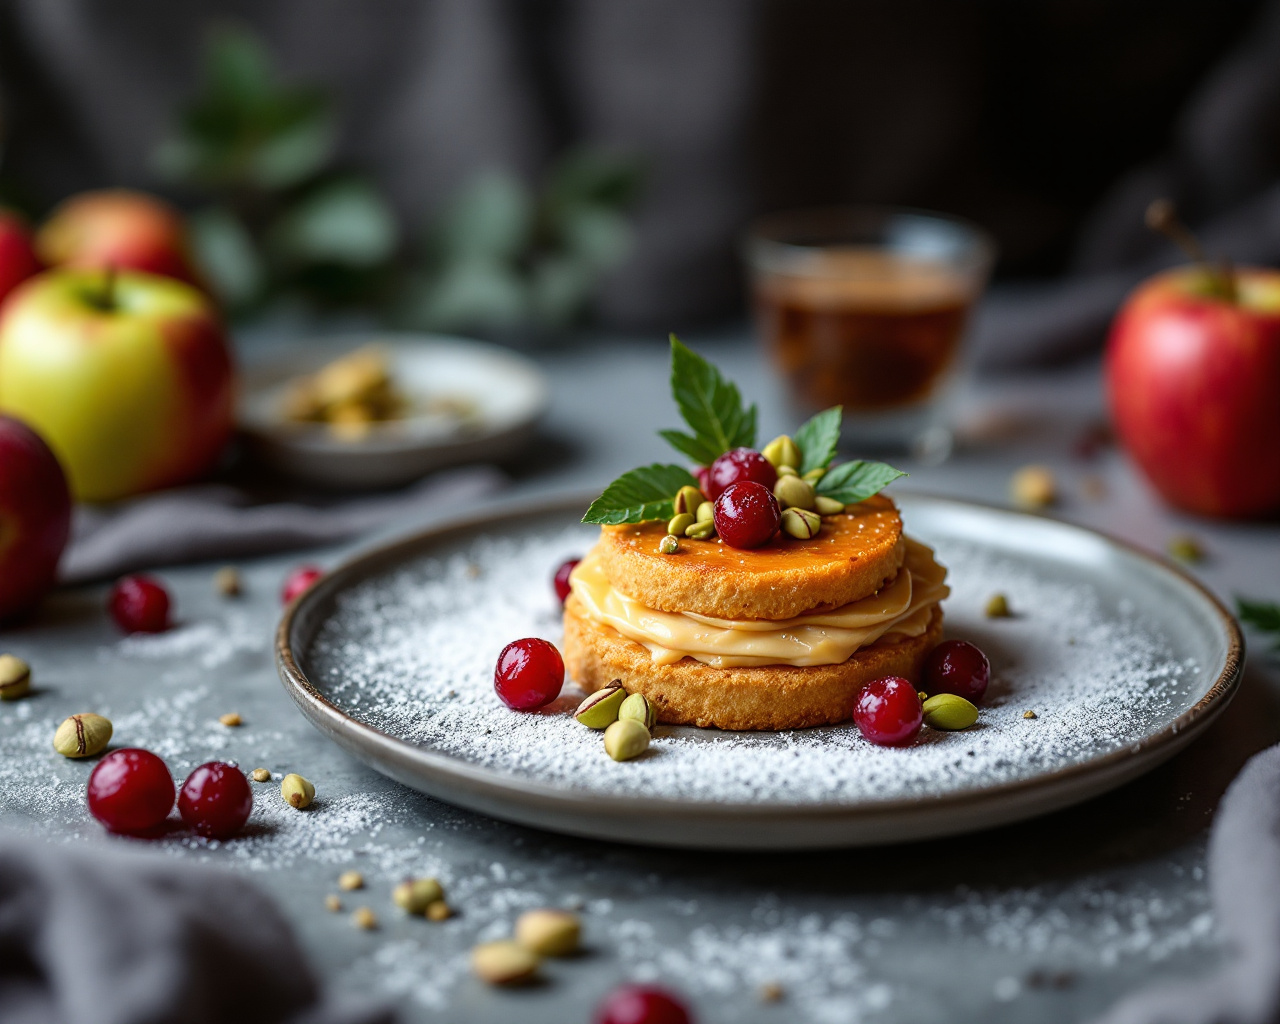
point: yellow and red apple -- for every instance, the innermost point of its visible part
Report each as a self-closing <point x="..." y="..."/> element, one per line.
<point x="118" y="228"/>
<point x="18" y="259"/>
<point x="1193" y="380"/>
<point x="127" y="376"/>
<point x="35" y="517"/>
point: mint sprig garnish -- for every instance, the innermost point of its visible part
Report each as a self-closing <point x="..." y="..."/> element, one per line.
<point x="852" y="482"/>
<point x="713" y="410"/>
<point x="645" y="493"/>
<point x="1262" y="615"/>
<point x="817" y="440"/>
<point x="710" y="405"/>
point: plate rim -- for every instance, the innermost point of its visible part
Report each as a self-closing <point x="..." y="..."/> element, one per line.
<point x="325" y="715"/>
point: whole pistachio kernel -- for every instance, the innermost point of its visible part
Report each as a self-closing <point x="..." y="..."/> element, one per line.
<point x="600" y="709"/>
<point x="82" y="736"/>
<point x="825" y="506"/>
<point x="503" y="962"/>
<point x="997" y="607"/>
<point x="414" y="895"/>
<point x="15" y="677"/>
<point x="680" y="522"/>
<point x="814" y="475"/>
<point x="297" y="791"/>
<point x="640" y="708"/>
<point x="949" y="711"/>
<point x="706" y="512"/>
<point x="226" y="581"/>
<point x="701" y="531"/>
<point x="687" y="499"/>
<point x="792" y="492"/>
<point x="669" y="545"/>
<point x="787" y="471"/>
<point x="801" y="523"/>
<point x="548" y="932"/>
<point x="626" y="738"/>
<point x="782" y="451"/>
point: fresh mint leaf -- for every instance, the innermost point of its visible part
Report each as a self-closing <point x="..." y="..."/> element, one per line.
<point x="1263" y="615"/>
<point x="852" y="482"/>
<point x="698" y="450"/>
<point x="645" y="493"/>
<point x="817" y="440"/>
<point x="710" y="405"/>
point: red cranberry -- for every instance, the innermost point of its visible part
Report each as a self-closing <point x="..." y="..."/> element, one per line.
<point x="530" y="674"/>
<point x="130" y="791"/>
<point x="562" y="578"/>
<point x="887" y="711"/>
<point x="299" y="580"/>
<point x="139" y="604"/>
<point x="747" y="514"/>
<point x="739" y="464"/>
<point x="216" y="800"/>
<point x="641" y="1004"/>
<point x="956" y="666"/>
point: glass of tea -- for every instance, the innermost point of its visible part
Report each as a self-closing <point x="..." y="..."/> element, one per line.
<point x="866" y="307"/>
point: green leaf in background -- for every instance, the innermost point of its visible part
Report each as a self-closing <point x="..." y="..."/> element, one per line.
<point x="817" y="440"/>
<point x="642" y="494"/>
<point x="590" y="175"/>
<point x="709" y="404"/>
<point x="852" y="482"/>
<point x="597" y="236"/>
<point x="491" y="218"/>
<point x="559" y="287"/>
<point x="244" y="129"/>
<point x="478" y="292"/>
<point x="343" y="222"/>
<point x="1262" y="615"/>
<point x="227" y="256"/>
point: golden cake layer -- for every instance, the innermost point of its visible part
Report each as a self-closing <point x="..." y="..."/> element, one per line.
<point x="689" y="692"/>
<point x="856" y="552"/>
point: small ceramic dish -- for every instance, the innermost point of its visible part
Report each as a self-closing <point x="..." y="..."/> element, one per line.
<point x="1111" y="662"/>
<point x="469" y="401"/>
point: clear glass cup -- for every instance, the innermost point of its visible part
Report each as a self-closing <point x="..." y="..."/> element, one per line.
<point x="866" y="307"/>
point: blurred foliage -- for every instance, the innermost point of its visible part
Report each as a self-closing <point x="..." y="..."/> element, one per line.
<point x="280" y="219"/>
<point x="503" y="257"/>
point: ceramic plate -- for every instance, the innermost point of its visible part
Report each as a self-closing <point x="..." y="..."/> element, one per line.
<point x="1112" y="662"/>
<point x="503" y="395"/>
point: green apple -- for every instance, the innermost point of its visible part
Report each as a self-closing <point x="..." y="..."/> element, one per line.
<point x="128" y="376"/>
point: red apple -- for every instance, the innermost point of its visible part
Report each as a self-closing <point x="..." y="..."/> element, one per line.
<point x="1193" y="381"/>
<point x="17" y="254"/>
<point x="128" y="377"/>
<point x="35" y="517"/>
<point x="116" y="227"/>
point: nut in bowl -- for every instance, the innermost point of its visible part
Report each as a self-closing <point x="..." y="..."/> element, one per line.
<point x="377" y="411"/>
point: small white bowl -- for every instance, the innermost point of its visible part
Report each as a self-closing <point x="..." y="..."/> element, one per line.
<point x="507" y="395"/>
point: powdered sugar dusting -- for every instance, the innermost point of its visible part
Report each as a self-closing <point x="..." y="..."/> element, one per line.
<point x="412" y="653"/>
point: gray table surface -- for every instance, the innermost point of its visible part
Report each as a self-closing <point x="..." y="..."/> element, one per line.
<point x="1050" y="920"/>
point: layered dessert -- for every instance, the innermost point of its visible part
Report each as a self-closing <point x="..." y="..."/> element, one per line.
<point x="777" y="637"/>
<point x="765" y="591"/>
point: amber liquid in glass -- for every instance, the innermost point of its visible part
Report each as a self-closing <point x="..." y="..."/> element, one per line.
<point x="864" y="328"/>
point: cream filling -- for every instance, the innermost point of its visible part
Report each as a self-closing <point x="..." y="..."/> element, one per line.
<point x="901" y="608"/>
